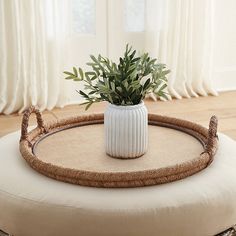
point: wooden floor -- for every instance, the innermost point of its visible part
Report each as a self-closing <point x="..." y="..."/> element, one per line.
<point x="196" y="109"/>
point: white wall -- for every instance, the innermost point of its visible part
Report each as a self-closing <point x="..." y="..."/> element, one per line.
<point x="224" y="64"/>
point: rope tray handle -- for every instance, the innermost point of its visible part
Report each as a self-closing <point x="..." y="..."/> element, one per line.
<point x="212" y="132"/>
<point x="25" y="122"/>
<point x="212" y="138"/>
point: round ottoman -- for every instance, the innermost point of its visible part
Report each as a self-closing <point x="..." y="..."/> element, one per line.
<point x="34" y="205"/>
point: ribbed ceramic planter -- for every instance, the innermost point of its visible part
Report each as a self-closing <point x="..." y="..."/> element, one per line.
<point x="126" y="130"/>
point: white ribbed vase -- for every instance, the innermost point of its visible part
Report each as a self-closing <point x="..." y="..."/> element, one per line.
<point x="126" y="130"/>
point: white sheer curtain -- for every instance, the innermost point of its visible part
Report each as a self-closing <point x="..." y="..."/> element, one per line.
<point x="41" y="38"/>
<point x="180" y="34"/>
<point x="32" y="48"/>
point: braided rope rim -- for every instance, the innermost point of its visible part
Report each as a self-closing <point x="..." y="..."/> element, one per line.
<point x="207" y="137"/>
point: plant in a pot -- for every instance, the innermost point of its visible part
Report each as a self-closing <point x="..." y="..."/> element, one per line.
<point x="124" y="86"/>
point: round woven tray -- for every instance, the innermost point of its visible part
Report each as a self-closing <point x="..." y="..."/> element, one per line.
<point x="71" y="150"/>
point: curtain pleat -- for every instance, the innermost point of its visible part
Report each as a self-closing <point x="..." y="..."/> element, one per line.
<point x="3" y="63"/>
<point x="31" y="57"/>
<point x="185" y="41"/>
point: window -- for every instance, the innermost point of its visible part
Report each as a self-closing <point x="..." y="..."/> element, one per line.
<point x="134" y="15"/>
<point x="83" y="16"/>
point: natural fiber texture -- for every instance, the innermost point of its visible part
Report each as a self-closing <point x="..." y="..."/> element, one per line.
<point x="83" y="148"/>
<point x="25" y="122"/>
<point x="118" y="179"/>
<point x="228" y="232"/>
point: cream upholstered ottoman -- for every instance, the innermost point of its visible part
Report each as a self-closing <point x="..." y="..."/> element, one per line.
<point x="34" y="205"/>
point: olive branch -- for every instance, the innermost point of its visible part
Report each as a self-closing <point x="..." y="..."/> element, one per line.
<point x="126" y="83"/>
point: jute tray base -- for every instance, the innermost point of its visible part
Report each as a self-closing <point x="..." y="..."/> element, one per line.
<point x="72" y="150"/>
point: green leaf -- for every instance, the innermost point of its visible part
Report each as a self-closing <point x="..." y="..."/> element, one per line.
<point x="164" y="96"/>
<point x="94" y="77"/>
<point x="83" y="94"/>
<point x="87" y="77"/>
<point x="146" y="83"/>
<point x="89" y="105"/>
<point x="163" y="87"/>
<point x="92" y="92"/>
<point x="119" y="89"/>
<point x="94" y="58"/>
<point x="113" y="87"/>
<point x="68" y="73"/>
<point x="91" y="64"/>
<point x="75" y="72"/>
<point x="69" y="77"/>
<point x="81" y="73"/>
<point x="77" y="79"/>
<point x="90" y="73"/>
<point x="132" y="55"/>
